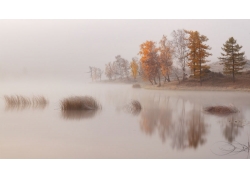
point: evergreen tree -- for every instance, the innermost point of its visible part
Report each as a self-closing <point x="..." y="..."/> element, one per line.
<point x="233" y="60"/>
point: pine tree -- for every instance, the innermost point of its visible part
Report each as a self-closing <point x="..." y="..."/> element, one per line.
<point x="197" y="54"/>
<point x="233" y="60"/>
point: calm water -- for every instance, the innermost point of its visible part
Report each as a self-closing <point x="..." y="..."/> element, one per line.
<point x="172" y="124"/>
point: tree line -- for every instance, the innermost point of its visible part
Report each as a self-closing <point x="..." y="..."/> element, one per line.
<point x="187" y="48"/>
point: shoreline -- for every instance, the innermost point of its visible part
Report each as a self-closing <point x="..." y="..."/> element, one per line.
<point x="174" y="85"/>
<point x="205" y="88"/>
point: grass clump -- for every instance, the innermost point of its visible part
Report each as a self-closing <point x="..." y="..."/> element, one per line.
<point x="136" y="86"/>
<point x="221" y="110"/>
<point x="80" y="103"/>
<point x="134" y="107"/>
<point x="21" y="102"/>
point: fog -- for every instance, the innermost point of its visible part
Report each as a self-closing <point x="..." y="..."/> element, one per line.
<point x="64" y="49"/>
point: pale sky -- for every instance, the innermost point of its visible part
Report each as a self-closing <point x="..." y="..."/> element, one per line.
<point x="69" y="47"/>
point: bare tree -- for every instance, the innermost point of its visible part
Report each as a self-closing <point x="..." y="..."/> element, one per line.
<point x="180" y="44"/>
<point x="177" y="72"/>
<point x="95" y="73"/>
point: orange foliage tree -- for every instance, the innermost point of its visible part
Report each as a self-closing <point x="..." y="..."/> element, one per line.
<point x="150" y="61"/>
<point x="197" y="54"/>
<point x="134" y="67"/>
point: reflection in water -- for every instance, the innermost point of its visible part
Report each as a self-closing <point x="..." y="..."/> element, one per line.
<point x="185" y="129"/>
<point x="152" y="116"/>
<point x="232" y="126"/>
<point x="78" y="115"/>
<point x="197" y="128"/>
<point x="179" y="138"/>
<point x="20" y="107"/>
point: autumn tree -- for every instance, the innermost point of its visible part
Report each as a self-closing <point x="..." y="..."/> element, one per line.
<point x="180" y="45"/>
<point x="197" y="54"/>
<point x="140" y="69"/>
<point x="232" y="59"/>
<point x="109" y="71"/>
<point x="150" y="61"/>
<point x="165" y="57"/>
<point x="134" y="67"/>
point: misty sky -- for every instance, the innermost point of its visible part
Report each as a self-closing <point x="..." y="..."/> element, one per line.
<point x="68" y="47"/>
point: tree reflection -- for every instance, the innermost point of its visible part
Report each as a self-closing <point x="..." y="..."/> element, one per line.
<point x="232" y="126"/>
<point x="197" y="128"/>
<point x="179" y="138"/>
<point x="185" y="129"/>
<point x="165" y="124"/>
<point x="156" y="116"/>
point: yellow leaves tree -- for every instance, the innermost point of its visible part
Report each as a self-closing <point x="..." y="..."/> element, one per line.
<point x="134" y="67"/>
<point x="150" y="61"/>
<point x="197" y="54"/>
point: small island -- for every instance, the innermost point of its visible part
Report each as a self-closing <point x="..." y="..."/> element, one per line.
<point x="180" y="64"/>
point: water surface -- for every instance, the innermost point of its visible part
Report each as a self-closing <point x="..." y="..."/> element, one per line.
<point x="171" y="124"/>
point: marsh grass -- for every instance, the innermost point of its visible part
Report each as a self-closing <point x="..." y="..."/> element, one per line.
<point x="80" y="103"/>
<point x="136" y="86"/>
<point x="134" y="107"/>
<point x="22" y="102"/>
<point x="221" y="110"/>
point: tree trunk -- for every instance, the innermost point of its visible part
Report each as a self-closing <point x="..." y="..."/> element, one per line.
<point x="155" y="81"/>
<point x="168" y="78"/>
<point x="159" y="77"/>
<point x="165" y="79"/>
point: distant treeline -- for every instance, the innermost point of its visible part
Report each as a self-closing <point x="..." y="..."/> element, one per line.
<point x="187" y="48"/>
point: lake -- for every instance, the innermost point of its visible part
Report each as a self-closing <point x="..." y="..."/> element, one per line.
<point x="172" y="124"/>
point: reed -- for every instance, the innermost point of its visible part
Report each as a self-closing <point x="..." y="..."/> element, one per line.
<point x="134" y="107"/>
<point x="21" y="102"/>
<point x="80" y="103"/>
<point x="221" y="110"/>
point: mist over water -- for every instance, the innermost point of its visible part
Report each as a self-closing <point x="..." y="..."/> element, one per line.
<point x="171" y="124"/>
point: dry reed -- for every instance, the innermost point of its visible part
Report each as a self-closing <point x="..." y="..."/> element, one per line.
<point x="80" y="103"/>
<point x="21" y="102"/>
<point x="134" y="107"/>
<point x="221" y="110"/>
